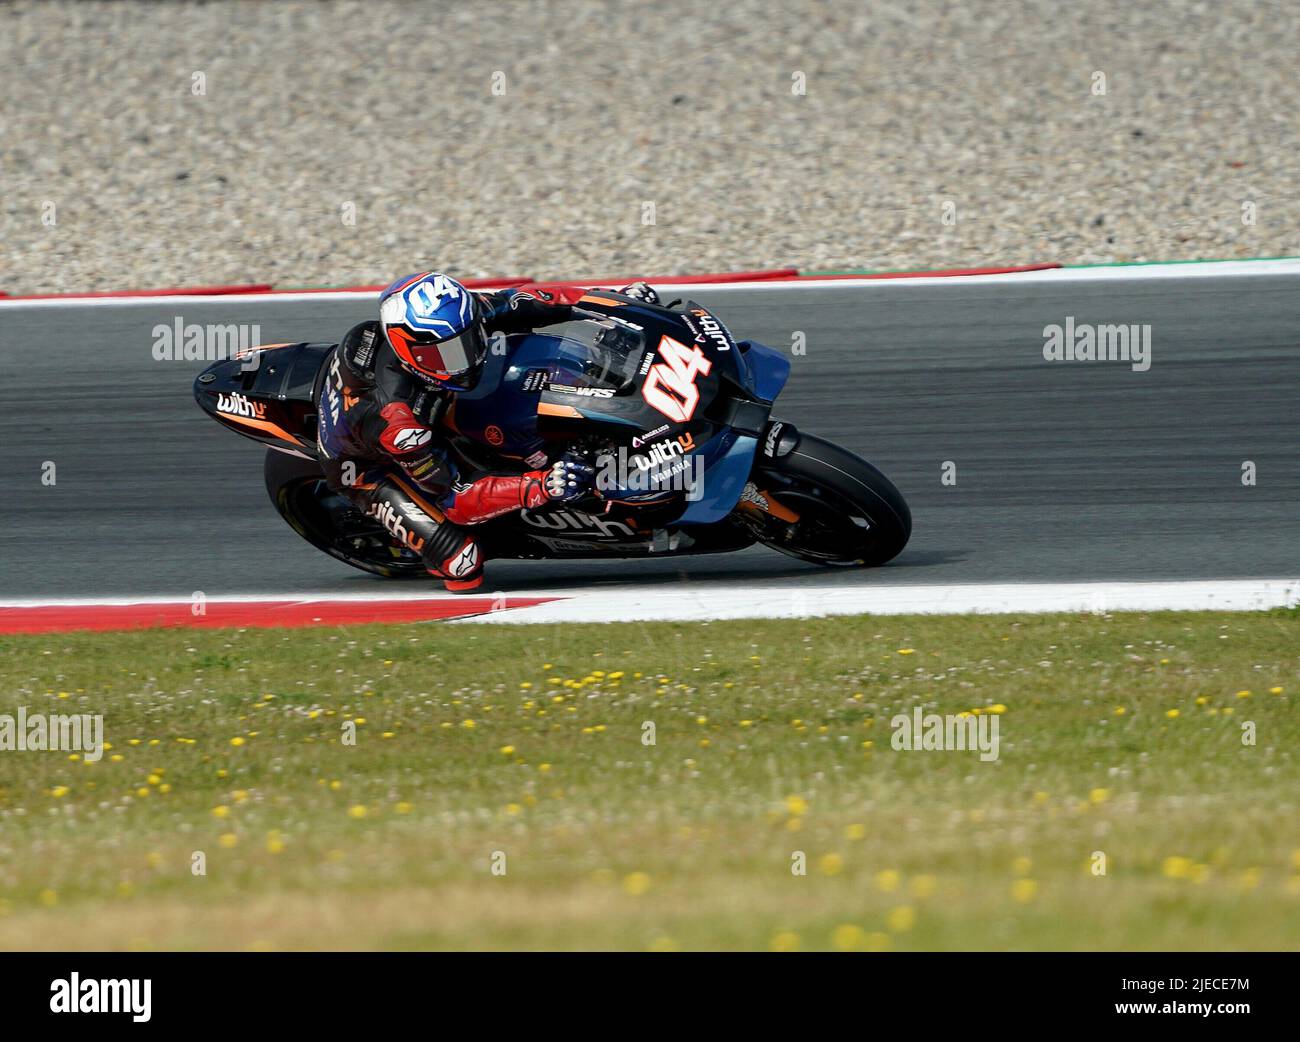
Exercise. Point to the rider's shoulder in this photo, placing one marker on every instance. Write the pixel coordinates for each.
(359, 349)
(494, 305)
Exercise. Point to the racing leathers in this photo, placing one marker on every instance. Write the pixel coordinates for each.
(378, 446)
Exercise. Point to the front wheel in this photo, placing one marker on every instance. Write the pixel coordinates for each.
(838, 508)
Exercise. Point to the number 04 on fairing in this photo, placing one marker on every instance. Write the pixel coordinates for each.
(673, 412)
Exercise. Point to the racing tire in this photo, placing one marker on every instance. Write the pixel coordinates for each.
(331, 523)
(850, 514)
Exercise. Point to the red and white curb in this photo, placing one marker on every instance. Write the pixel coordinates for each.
(775, 277)
(259, 612)
(699, 603)
(776, 280)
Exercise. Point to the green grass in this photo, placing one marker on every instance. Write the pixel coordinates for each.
(1120, 735)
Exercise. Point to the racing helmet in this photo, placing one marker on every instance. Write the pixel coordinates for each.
(432, 323)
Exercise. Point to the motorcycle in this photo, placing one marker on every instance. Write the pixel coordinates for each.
(672, 411)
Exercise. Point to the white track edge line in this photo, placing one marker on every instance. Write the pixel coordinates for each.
(1119, 273)
(702, 602)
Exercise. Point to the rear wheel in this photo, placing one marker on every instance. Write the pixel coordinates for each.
(330, 522)
(849, 513)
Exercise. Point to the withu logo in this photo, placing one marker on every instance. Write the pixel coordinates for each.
(235, 404)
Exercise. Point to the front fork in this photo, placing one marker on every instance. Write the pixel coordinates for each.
(779, 439)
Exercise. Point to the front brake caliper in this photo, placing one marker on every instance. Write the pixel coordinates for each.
(756, 501)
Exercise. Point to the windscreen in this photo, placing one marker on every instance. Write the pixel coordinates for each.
(595, 353)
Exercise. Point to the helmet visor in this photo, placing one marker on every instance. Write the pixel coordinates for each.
(448, 359)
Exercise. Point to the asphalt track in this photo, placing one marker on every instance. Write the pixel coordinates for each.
(1064, 471)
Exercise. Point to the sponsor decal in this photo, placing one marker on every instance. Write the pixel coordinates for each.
(664, 451)
(669, 387)
(645, 363)
(236, 404)
(585, 392)
(409, 438)
(494, 435)
(334, 384)
(421, 470)
(535, 380)
(365, 353)
(536, 459)
(674, 468)
(707, 328)
(650, 436)
(464, 563)
(773, 436)
(393, 521)
(576, 522)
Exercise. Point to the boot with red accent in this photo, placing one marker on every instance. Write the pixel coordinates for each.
(462, 570)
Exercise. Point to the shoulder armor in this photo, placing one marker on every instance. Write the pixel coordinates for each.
(359, 350)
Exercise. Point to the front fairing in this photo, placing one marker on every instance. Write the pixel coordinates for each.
(670, 386)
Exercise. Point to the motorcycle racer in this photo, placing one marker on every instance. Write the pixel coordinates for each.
(384, 384)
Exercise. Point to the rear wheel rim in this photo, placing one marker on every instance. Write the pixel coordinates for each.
(330, 520)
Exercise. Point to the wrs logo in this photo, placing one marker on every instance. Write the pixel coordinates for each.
(235, 404)
(74, 995)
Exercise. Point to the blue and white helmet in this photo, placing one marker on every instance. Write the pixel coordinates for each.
(432, 323)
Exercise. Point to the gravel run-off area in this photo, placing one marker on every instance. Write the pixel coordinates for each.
(147, 145)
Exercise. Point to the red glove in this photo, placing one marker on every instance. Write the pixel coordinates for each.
(493, 496)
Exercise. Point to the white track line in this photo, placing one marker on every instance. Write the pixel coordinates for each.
(1122, 273)
(699, 602)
